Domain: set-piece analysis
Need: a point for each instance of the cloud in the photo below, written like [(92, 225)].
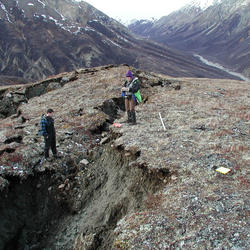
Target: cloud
[(131, 9)]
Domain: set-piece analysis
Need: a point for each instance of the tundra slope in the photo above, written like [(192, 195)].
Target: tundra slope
[(143, 189)]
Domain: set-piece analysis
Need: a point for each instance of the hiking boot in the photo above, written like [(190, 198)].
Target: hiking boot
[(129, 117), (133, 118)]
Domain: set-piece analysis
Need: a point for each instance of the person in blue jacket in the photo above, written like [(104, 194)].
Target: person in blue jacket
[(49, 133), (130, 87)]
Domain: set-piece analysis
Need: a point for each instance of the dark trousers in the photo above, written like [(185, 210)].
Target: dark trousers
[(50, 142)]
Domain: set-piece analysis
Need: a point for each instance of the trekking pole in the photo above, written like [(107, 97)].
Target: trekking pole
[(164, 128)]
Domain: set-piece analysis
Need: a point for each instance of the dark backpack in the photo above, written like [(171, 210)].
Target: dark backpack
[(135, 85), (40, 131)]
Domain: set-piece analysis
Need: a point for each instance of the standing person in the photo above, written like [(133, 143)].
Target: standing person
[(49, 133), (130, 87)]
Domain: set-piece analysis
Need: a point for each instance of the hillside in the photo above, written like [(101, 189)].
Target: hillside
[(41, 38), (219, 33), (127, 187)]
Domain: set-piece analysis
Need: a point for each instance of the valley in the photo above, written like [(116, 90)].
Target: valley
[(216, 65), (219, 33)]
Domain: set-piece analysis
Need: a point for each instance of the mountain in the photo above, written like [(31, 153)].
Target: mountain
[(219, 32), (40, 38)]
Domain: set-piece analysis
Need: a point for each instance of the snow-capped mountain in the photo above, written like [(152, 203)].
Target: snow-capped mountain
[(45, 37), (69, 15), (218, 30), (203, 4)]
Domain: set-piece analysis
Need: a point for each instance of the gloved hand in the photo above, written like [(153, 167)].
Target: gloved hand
[(125, 89)]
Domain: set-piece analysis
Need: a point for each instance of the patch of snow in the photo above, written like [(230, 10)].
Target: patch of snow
[(94, 20), (141, 21), (78, 31), (91, 29), (216, 65), (51, 18), (146, 21), (124, 39), (112, 42), (201, 3), (63, 17), (212, 28), (6, 12), (87, 28), (3, 7), (67, 28), (43, 4), (245, 3), (58, 23)]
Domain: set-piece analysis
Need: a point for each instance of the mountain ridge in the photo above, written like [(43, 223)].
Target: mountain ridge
[(220, 32), (39, 40)]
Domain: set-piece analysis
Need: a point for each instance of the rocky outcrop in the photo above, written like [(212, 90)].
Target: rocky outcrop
[(44, 38), (219, 33), (12, 98), (123, 187)]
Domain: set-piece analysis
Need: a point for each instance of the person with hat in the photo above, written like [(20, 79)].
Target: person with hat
[(49, 134), (130, 87)]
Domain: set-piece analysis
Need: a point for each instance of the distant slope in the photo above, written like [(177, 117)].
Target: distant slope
[(39, 38), (11, 80), (219, 33)]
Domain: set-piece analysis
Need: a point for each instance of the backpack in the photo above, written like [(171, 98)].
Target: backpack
[(40, 131), (135, 85), (137, 92), (138, 96)]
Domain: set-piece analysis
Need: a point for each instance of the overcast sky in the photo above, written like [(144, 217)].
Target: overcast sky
[(127, 10)]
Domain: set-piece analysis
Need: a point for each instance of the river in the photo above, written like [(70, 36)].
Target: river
[(216, 65)]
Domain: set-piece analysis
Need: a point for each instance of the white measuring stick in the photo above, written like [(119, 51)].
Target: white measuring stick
[(162, 122)]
